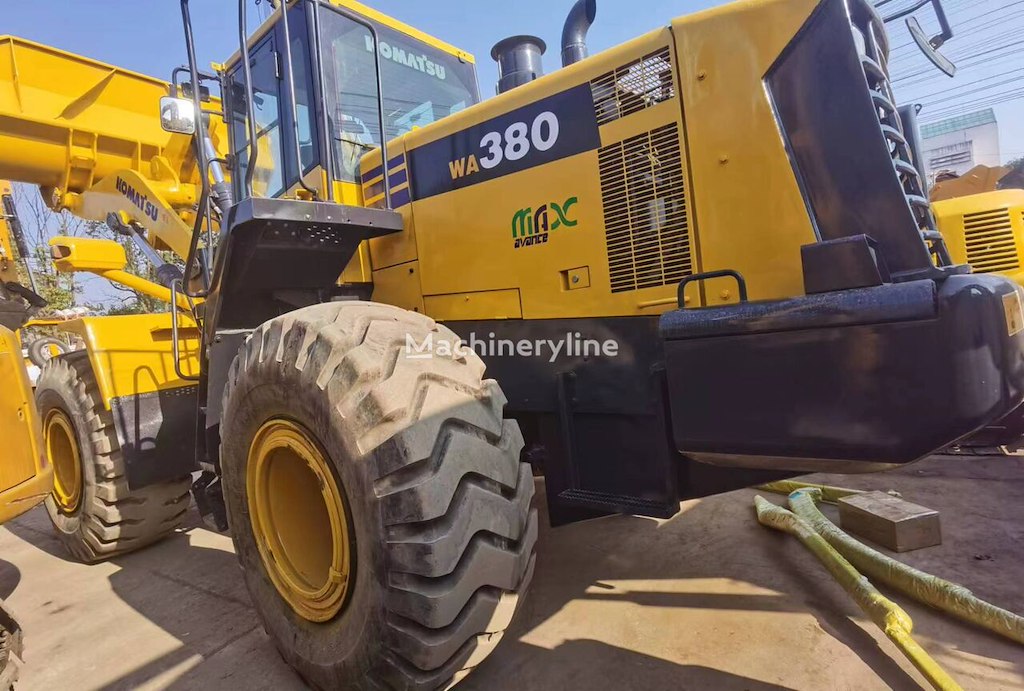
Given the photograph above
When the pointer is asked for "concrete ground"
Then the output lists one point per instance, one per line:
(706, 600)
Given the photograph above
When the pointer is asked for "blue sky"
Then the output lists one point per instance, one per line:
(146, 36)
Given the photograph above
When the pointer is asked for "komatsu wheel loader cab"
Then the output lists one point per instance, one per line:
(694, 261)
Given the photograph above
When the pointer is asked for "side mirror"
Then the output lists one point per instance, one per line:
(929, 46)
(177, 115)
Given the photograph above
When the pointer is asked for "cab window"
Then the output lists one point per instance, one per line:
(277, 169)
(421, 85)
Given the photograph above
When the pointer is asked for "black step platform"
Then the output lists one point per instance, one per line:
(275, 251)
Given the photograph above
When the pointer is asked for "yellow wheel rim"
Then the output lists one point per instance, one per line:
(299, 520)
(62, 452)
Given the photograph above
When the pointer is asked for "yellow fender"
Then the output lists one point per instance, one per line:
(26, 478)
(132, 354)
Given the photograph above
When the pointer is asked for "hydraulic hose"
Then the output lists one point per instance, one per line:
(894, 622)
(924, 587)
(829, 495)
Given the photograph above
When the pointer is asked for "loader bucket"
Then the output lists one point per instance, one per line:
(87, 119)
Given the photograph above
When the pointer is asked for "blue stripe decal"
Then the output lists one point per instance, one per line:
(393, 163)
(399, 178)
(400, 198)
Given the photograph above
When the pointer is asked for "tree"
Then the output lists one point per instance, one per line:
(61, 290)
(132, 301)
(40, 224)
(1015, 178)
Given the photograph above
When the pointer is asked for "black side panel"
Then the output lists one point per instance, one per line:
(157, 434)
(281, 254)
(832, 129)
(220, 355)
(616, 384)
(598, 421)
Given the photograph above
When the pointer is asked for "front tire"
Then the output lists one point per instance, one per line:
(95, 513)
(435, 514)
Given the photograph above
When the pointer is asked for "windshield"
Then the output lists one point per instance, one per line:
(421, 84)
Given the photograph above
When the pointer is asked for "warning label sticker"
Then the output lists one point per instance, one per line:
(1014, 312)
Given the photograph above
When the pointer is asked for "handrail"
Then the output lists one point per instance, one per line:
(175, 348)
(200, 149)
(250, 115)
(380, 86)
(289, 81)
(178, 70)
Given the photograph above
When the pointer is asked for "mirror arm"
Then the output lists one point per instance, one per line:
(940, 14)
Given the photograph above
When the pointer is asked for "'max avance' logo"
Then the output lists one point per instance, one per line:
(531, 227)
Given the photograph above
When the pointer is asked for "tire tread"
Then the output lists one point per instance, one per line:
(114, 518)
(454, 498)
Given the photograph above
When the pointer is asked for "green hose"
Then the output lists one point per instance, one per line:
(829, 495)
(931, 590)
(895, 622)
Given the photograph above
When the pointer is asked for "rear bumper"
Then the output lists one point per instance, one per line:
(850, 381)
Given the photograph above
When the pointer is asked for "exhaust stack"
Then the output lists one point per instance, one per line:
(519, 61)
(574, 32)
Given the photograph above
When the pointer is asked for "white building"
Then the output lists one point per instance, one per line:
(958, 144)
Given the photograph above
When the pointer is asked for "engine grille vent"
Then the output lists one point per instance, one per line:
(991, 245)
(647, 226)
(631, 88)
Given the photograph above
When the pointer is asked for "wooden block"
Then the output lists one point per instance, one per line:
(889, 521)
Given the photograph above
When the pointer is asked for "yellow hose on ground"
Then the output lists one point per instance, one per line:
(896, 623)
(924, 587)
(828, 494)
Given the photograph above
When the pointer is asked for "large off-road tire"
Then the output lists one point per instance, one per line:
(437, 514)
(95, 514)
(41, 350)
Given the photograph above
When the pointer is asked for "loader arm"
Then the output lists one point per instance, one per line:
(18, 297)
(89, 136)
(92, 141)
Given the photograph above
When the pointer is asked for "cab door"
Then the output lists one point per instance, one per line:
(278, 121)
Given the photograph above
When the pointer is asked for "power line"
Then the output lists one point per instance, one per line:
(954, 110)
(965, 67)
(972, 91)
(989, 51)
(958, 24)
(944, 92)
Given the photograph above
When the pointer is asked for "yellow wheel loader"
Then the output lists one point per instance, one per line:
(26, 477)
(699, 260)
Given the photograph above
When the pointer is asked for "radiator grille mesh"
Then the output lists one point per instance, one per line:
(990, 242)
(631, 88)
(647, 227)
